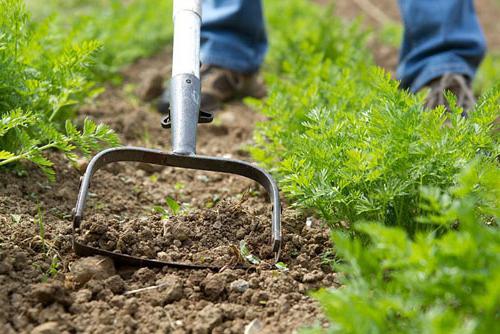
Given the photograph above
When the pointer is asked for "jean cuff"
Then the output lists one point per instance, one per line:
(434, 71)
(228, 60)
(229, 63)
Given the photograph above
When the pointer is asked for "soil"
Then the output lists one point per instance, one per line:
(46, 288)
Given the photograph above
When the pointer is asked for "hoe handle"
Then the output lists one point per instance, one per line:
(185, 84)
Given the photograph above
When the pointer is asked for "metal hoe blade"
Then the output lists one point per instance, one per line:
(183, 119)
(135, 154)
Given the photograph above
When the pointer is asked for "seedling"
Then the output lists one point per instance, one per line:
(15, 218)
(41, 227)
(53, 269)
(281, 266)
(247, 255)
(172, 208)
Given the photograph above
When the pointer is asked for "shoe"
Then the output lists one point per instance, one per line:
(457, 84)
(220, 85)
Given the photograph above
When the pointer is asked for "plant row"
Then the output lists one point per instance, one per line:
(51, 64)
(412, 194)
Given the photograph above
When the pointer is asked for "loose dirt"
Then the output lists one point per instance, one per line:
(45, 288)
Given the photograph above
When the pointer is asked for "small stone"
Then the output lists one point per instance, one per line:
(313, 276)
(50, 327)
(95, 267)
(254, 327)
(239, 285)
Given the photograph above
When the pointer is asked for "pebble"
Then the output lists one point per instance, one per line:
(254, 327)
(50, 327)
(239, 285)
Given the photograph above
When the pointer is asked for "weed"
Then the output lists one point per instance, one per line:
(53, 270)
(172, 208)
(247, 255)
(41, 228)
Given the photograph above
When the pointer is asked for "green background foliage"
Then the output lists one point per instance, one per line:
(418, 188)
(54, 62)
(343, 139)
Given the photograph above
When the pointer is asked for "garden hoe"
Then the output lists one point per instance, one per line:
(183, 116)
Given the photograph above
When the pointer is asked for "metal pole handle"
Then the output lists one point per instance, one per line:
(185, 85)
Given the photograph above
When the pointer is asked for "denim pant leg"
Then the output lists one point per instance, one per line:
(441, 36)
(233, 34)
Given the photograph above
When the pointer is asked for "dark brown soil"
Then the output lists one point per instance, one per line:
(45, 288)
(90, 295)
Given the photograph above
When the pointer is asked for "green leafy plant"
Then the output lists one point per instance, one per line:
(42, 78)
(343, 139)
(172, 208)
(127, 30)
(488, 73)
(433, 282)
(418, 189)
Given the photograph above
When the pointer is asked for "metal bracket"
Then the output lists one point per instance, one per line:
(203, 117)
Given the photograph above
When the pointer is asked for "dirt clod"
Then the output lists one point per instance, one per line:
(96, 267)
(209, 317)
(150, 85)
(313, 276)
(47, 293)
(214, 285)
(170, 291)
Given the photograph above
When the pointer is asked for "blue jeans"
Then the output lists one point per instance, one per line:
(441, 36)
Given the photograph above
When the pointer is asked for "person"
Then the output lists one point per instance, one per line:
(442, 47)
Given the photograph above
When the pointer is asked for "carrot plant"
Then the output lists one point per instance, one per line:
(127, 30)
(40, 82)
(342, 137)
(51, 64)
(418, 188)
(428, 283)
